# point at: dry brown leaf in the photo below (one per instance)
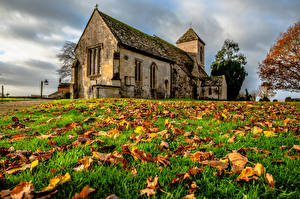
(193, 188)
(231, 139)
(238, 162)
(190, 196)
(215, 163)
(22, 191)
(112, 196)
(86, 191)
(149, 192)
(247, 174)
(269, 179)
(201, 156)
(164, 145)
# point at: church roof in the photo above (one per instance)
(190, 35)
(131, 37)
(134, 39)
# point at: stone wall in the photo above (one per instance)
(96, 33)
(182, 86)
(130, 88)
(194, 49)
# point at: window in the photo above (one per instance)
(94, 61)
(138, 70)
(153, 69)
(167, 84)
(201, 54)
(209, 91)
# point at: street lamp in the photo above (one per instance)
(42, 84)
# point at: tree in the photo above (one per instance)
(230, 63)
(281, 67)
(66, 56)
(265, 91)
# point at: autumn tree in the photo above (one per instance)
(265, 91)
(281, 67)
(66, 56)
(230, 63)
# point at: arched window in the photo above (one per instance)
(209, 91)
(153, 78)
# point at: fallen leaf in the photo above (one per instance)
(247, 174)
(149, 192)
(269, 133)
(21, 168)
(201, 156)
(256, 130)
(269, 179)
(259, 169)
(22, 190)
(231, 139)
(112, 196)
(139, 130)
(193, 188)
(190, 196)
(85, 164)
(34, 164)
(57, 180)
(238, 162)
(86, 191)
(215, 163)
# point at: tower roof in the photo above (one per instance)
(190, 35)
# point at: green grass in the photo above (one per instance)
(113, 179)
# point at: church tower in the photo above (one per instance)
(191, 43)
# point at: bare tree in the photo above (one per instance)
(66, 56)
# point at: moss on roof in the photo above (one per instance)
(153, 45)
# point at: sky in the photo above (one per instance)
(32, 32)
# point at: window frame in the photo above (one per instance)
(153, 76)
(138, 70)
(94, 59)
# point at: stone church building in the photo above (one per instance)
(114, 59)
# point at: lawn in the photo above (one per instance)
(159, 148)
(19, 99)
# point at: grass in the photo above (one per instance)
(215, 120)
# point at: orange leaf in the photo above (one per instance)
(86, 191)
(22, 190)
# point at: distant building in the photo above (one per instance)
(114, 59)
(62, 90)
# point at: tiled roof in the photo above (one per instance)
(212, 81)
(153, 45)
(134, 38)
(190, 35)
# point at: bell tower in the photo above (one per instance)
(191, 43)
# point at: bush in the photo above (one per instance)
(288, 99)
(275, 100)
(265, 99)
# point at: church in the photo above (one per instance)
(114, 59)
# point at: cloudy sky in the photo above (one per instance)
(33, 31)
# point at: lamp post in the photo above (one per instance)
(42, 85)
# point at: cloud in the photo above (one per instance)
(33, 31)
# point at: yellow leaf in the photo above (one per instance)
(224, 116)
(166, 122)
(256, 130)
(270, 133)
(34, 164)
(259, 169)
(139, 130)
(57, 180)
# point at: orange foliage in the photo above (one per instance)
(281, 67)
